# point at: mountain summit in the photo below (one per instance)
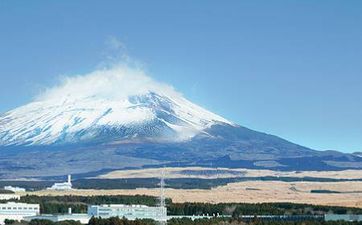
(109, 105)
(120, 118)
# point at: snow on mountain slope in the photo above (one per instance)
(113, 104)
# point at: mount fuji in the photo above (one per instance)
(146, 117)
(119, 118)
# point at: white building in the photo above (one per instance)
(62, 186)
(130, 212)
(343, 217)
(17, 211)
(9, 197)
(14, 189)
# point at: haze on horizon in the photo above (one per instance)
(287, 68)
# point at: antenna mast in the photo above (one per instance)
(163, 221)
(162, 189)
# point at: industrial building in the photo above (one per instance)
(17, 211)
(130, 212)
(62, 186)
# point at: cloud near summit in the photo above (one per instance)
(114, 83)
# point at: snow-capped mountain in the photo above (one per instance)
(120, 118)
(100, 106)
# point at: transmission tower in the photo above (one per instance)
(163, 221)
(162, 189)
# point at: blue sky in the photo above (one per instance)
(290, 68)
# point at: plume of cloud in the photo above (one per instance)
(115, 83)
(116, 52)
(118, 77)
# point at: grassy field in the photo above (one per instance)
(210, 185)
(350, 193)
(212, 173)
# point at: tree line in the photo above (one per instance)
(60, 204)
(184, 221)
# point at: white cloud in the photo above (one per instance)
(115, 44)
(116, 78)
(116, 51)
(114, 83)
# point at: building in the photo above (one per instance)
(62, 186)
(17, 211)
(14, 189)
(343, 217)
(9, 196)
(82, 218)
(130, 212)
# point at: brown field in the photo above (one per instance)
(249, 192)
(174, 172)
